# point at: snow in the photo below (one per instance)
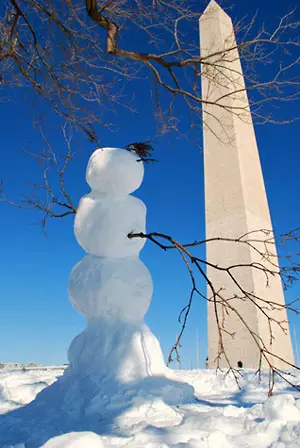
(220, 415)
(101, 286)
(114, 171)
(103, 223)
(116, 352)
(19, 387)
(112, 287)
(75, 440)
(282, 408)
(109, 213)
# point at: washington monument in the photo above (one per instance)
(236, 205)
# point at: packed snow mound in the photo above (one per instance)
(115, 351)
(283, 408)
(114, 171)
(112, 287)
(75, 440)
(102, 225)
(19, 387)
(220, 416)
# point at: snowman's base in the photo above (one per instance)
(116, 349)
(77, 403)
(103, 390)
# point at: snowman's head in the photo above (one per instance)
(114, 171)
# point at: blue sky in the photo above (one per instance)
(37, 320)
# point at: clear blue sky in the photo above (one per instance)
(37, 320)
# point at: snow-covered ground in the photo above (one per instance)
(220, 416)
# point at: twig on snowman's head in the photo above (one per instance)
(143, 150)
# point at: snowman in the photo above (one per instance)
(116, 377)
(111, 286)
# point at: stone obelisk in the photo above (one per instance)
(236, 204)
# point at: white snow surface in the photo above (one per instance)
(114, 171)
(219, 416)
(112, 288)
(109, 213)
(110, 353)
(103, 223)
(101, 286)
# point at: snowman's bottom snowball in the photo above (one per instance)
(111, 348)
(111, 287)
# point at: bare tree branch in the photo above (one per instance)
(80, 66)
(289, 271)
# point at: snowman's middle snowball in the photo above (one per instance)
(111, 287)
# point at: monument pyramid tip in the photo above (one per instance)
(214, 7)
